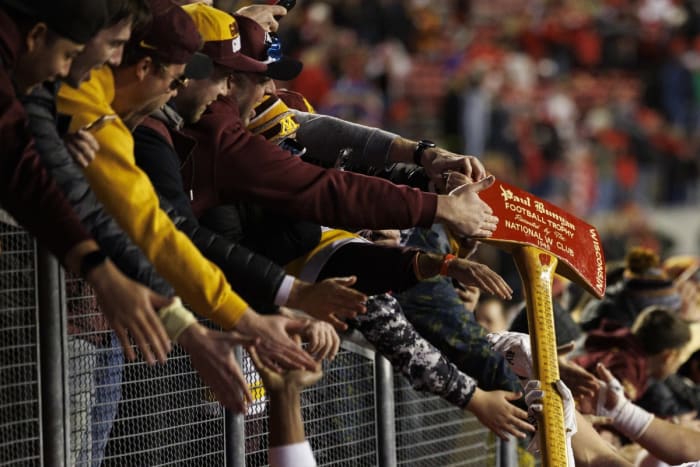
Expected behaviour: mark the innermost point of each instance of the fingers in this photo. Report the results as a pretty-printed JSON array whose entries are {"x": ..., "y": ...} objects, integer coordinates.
[
  {"x": 255, "y": 358},
  {"x": 228, "y": 385},
  {"x": 518, "y": 426},
  {"x": 454, "y": 180},
  {"x": 236, "y": 338},
  {"x": 277, "y": 10},
  {"x": 89, "y": 139},
  {"x": 604, "y": 373},
  {"x": 490, "y": 222},
  {"x": 155, "y": 326},
  {"x": 566, "y": 348},
  {"x": 143, "y": 344},
  {"x": 478, "y": 171},
  {"x": 316, "y": 341},
  {"x": 491, "y": 282},
  {"x": 513, "y": 396},
  {"x": 267, "y": 363},
  {"x": 78, "y": 154},
  {"x": 482, "y": 184},
  {"x": 82, "y": 146},
  {"x": 159, "y": 340},
  {"x": 290, "y": 356},
  {"x": 337, "y": 324},
  {"x": 120, "y": 331},
  {"x": 335, "y": 348}
]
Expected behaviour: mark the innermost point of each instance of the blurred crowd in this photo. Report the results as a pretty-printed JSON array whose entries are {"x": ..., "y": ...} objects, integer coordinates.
[{"x": 591, "y": 104}]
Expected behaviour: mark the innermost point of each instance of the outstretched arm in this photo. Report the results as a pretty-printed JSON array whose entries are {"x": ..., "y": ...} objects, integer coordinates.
[
  {"x": 288, "y": 445},
  {"x": 671, "y": 443}
]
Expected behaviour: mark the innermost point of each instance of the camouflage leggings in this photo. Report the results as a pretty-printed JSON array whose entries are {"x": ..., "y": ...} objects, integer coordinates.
[{"x": 385, "y": 326}]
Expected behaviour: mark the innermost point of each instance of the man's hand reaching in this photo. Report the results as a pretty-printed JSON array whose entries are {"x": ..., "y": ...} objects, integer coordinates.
[
  {"x": 211, "y": 354},
  {"x": 465, "y": 213},
  {"x": 331, "y": 300},
  {"x": 277, "y": 347},
  {"x": 438, "y": 162},
  {"x": 130, "y": 309}
]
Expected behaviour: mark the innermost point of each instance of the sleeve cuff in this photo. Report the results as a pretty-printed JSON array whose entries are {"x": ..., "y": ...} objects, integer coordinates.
[
  {"x": 292, "y": 455},
  {"x": 285, "y": 289}
]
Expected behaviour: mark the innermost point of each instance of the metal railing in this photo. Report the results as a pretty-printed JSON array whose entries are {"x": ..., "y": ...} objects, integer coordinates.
[{"x": 67, "y": 397}]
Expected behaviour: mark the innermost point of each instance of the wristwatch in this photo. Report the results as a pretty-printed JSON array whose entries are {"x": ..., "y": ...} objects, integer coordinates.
[
  {"x": 421, "y": 146},
  {"x": 91, "y": 260}
]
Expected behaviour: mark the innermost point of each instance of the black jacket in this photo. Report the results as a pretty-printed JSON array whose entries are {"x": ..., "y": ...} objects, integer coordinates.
[
  {"x": 40, "y": 105},
  {"x": 254, "y": 277}
]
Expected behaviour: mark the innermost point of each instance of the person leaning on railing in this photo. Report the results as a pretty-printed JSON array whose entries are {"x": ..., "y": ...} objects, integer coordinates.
[
  {"x": 153, "y": 70},
  {"x": 210, "y": 349},
  {"x": 39, "y": 40}
]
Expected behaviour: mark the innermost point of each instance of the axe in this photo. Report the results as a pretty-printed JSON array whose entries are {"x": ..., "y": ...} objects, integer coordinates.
[{"x": 545, "y": 239}]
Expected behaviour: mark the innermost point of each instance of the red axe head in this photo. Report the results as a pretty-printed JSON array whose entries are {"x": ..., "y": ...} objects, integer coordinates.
[{"x": 528, "y": 220}]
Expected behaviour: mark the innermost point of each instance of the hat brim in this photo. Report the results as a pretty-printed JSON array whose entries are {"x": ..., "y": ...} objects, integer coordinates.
[
  {"x": 284, "y": 69},
  {"x": 200, "y": 66}
]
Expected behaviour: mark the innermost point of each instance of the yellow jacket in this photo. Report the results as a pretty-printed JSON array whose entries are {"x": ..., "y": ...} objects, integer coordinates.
[{"x": 128, "y": 195}]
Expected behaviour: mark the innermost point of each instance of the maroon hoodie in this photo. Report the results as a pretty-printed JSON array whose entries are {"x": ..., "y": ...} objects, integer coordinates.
[
  {"x": 230, "y": 164},
  {"x": 616, "y": 347},
  {"x": 26, "y": 189}
]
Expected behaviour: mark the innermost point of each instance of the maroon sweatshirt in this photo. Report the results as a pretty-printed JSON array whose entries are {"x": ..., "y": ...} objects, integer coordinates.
[
  {"x": 26, "y": 189},
  {"x": 616, "y": 347},
  {"x": 231, "y": 164}
]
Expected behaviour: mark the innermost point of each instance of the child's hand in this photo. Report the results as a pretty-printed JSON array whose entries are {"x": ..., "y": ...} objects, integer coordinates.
[{"x": 494, "y": 410}]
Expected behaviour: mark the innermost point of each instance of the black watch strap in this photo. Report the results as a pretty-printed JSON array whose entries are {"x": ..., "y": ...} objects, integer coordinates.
[
  {"x": 91, "y": 260},
  {"x": 421, "y": 146}
]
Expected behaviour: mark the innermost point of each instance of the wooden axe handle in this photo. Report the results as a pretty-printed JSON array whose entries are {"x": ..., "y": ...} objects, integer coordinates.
[{"x": 536, "y": 268}]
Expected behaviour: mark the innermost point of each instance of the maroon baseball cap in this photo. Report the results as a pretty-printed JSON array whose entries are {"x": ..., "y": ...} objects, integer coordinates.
[
  {"x": 172, "y": 37},
  {"x": 238, "y": 43}
]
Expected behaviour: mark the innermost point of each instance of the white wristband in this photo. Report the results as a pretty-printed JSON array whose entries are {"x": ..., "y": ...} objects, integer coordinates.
[
  {"x": 176, "y": 318},
  {"x": 632, "y": 420},
  {"x": 292, "y": 455}
]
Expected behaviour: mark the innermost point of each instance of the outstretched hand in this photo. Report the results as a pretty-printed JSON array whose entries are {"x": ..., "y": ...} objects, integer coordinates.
[
  {"x": 465, "y": 213},
  {"x": 130, "y": 309},
  {"x": 331, "y": 300},
  {"x": 479, "y": 275},
  {"x": 495, "y": 411},
  {"x": 581, "y": 382},
  {"x": 276, "y": 380},
  {"x": 277, "y": 347},
  {"x": 211, "y": 355},
  {"x": 438, "y": 161},
  {"x": 324, "y": 342}
]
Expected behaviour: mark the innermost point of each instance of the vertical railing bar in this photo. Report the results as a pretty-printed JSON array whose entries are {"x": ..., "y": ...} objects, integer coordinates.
[
  {"x": 385, "y": 412},
  {"x": 234, "y": 430},
  {"x": 53, "y": 368}
]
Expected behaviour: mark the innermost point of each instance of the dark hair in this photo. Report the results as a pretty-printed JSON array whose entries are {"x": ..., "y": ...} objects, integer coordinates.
[
  {"x": 137, "y": 10},
  {"x": 658, "y": 329},
  {"x": 133, "y": 54},
  {"x": 686, "y": 368},
  {"x": 25, "y": 22}
]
